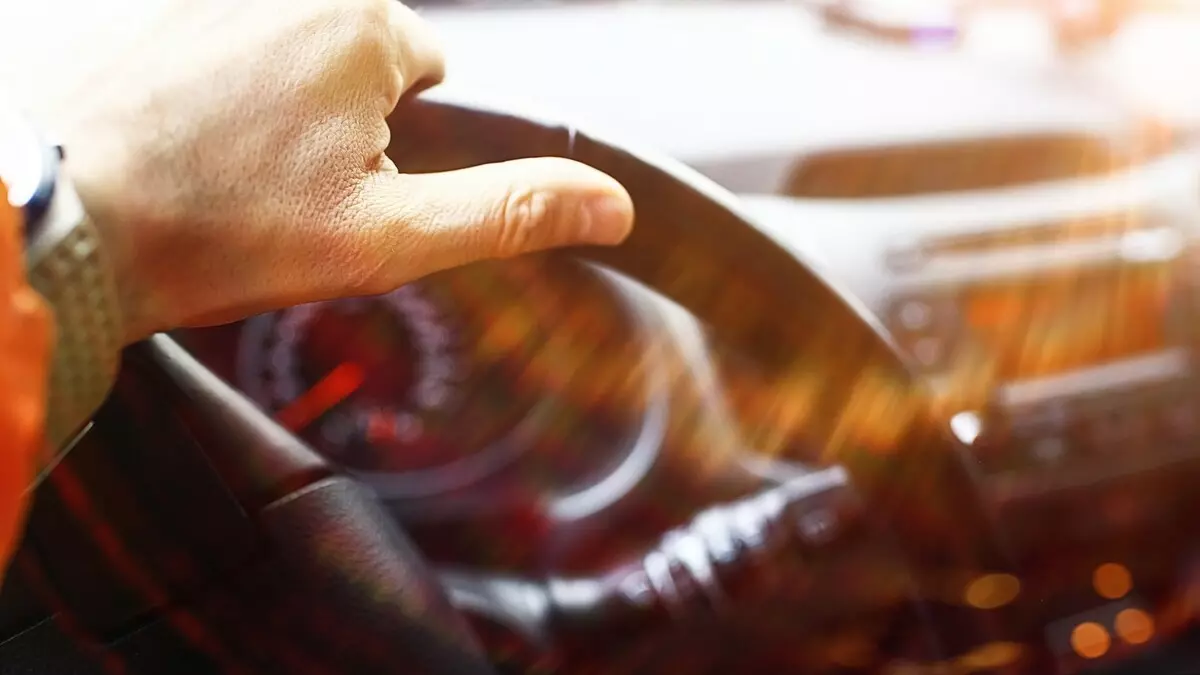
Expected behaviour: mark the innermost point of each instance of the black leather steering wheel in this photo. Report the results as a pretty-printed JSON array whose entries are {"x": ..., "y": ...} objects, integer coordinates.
[{"x": 356, "y": 595}]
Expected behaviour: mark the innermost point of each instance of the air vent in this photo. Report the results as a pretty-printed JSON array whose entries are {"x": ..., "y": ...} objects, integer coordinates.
[
  {"x": 1107, "y": 226},
  {"x": 978, "y": 164}
]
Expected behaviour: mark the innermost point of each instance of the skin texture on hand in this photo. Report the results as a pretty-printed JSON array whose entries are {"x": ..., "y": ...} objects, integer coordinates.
[
  {"x": 24, "y": 367},
  {"x": 232, "y": 154}
]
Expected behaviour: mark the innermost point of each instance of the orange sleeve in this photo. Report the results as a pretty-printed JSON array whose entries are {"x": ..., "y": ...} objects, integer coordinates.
[{"x": 25, "y": 332}]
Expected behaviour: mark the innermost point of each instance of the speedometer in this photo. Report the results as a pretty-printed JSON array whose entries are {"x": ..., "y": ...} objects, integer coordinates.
[
  {"x": 442, "y": 382},
  {"x": 354, "y": 376}
]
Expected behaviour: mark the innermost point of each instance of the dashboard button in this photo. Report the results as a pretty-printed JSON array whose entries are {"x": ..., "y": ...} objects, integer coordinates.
[
  {"x": 915, "y": 315},
  {"x": 925, "y": 327},
  {"x": 921, "y": 314},
  {"x": 929, "y": 351},
  {"x": 1048, "y": 450}
]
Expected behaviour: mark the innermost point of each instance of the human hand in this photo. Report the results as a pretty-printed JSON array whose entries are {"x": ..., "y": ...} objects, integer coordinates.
[{"x": 232, "y": 156}]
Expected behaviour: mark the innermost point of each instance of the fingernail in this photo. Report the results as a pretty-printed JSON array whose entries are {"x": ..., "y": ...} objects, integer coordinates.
[{"x": 606, "y": 219}]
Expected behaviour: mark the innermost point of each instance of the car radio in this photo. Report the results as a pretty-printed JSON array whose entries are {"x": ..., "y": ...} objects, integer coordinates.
[
  {"x": 1062, "y": 353},
  {"x": 1016, "y": 310}
]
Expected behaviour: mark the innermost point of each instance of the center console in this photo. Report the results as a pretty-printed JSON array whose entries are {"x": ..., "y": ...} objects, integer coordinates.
[
  {"x": 1063, "y": 352},
  {"x": 1058, "y": 328}
]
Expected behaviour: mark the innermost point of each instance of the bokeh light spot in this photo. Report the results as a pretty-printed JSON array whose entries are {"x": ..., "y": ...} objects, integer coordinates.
[
  {"x": 1112, "y": 581},
  {"x": 1134, "y": 626},
  {"x": 1090, "y": 640}
]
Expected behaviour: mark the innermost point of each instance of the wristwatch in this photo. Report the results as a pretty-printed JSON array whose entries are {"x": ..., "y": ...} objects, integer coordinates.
[{"x": 67, "y": 264}]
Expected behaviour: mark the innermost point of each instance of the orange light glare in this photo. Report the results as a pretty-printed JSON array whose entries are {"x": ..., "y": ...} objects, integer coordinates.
[
  {"x": 1112, "y": 581},
  {"x": 1134, "y": 626},
  {"x": 1090, "y": 640},
  {"x": 991, "y": 656},
  {"x": 852, "y": 652},
  {"x": 991, "y": 591}
]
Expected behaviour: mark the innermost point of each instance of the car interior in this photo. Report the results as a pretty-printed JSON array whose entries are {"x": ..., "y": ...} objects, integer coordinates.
[{"x": 919, "y": 405}]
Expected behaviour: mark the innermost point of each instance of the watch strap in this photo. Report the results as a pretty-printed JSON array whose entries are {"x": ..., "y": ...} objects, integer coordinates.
[{"x": 69, "y": 267}]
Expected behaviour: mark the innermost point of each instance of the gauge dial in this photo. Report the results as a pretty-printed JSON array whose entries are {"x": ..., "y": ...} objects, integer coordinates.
[
  {"x": 356, "y": 374},
  {"x": 439, "y": 383}
]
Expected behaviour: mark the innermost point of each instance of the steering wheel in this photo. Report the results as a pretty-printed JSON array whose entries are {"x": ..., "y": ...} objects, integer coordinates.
[{"x": 356, "y": 595}]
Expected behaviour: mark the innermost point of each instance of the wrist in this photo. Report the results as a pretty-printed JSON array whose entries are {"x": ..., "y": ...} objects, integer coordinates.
[{"x": 68, "y": 265}]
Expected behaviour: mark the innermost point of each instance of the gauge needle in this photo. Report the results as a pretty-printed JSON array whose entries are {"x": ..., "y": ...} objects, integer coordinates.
[{"x": 326, "y": 393}]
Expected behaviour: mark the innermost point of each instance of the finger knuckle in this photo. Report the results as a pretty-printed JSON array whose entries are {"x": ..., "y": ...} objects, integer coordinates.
[
  {"x": 367, "y": 23},
  {"x": 523, "y": 219},
  {"x": 369, "y": 10}
]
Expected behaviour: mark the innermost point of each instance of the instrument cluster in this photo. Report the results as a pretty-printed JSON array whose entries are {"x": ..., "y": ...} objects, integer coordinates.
[
  {"x": 442, "y": 383},
  {"x": 533, "y": 413}
]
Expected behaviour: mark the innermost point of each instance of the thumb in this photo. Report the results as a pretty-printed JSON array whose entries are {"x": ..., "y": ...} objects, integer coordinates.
[{"x": 410, "y": 225}]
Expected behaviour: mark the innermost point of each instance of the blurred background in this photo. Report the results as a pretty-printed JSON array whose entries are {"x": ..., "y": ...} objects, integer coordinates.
[
  {"x": 746, "y": 90},
  {"x": 1009, "y": 188}
]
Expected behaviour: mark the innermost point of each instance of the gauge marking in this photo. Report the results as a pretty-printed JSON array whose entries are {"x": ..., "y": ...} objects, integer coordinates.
[
  {"x": 438, "y": 369},
  {"x": 329, "y": 391}
]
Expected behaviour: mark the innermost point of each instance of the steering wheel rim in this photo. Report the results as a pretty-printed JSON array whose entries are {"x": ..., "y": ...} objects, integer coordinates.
[
  {"x": 441, "y": 133},
  {"x": 270, "y": 471}
]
